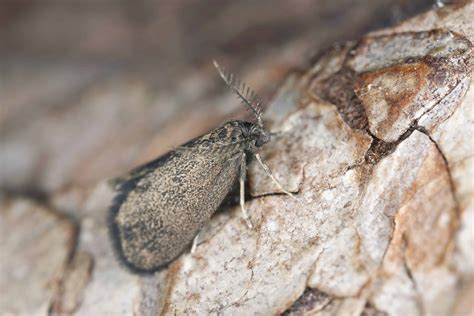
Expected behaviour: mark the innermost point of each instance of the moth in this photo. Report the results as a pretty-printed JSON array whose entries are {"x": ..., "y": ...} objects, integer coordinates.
[{"x": 160, "y": 207}]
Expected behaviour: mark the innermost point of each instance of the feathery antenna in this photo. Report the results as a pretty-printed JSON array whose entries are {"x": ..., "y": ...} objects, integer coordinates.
[{"x": 247, "y": 96}]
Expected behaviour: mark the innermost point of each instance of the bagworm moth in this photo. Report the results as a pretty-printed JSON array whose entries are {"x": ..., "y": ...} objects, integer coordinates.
[{"x": 160, "y": 207}]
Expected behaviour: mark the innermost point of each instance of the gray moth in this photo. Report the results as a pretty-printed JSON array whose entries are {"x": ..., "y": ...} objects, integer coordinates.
[{"x": 160, "y": 207}]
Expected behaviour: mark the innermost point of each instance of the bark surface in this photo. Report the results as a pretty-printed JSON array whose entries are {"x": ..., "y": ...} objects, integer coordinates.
[{"x": 375, "y": 141}]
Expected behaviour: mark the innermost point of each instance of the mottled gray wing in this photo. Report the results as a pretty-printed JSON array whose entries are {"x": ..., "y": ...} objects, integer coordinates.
[{"x": 163, "y": 204}]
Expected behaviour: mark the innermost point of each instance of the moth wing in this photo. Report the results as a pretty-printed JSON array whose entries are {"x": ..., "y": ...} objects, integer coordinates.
[{"x": 161, "y": 205}]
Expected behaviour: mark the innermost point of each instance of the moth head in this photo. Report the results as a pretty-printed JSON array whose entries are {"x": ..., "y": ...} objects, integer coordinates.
[{"x": 258, "y": 136}]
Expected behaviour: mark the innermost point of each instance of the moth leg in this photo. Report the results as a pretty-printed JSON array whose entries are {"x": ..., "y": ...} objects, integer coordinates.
[
  {"x": 270, "y": 174},
  {"x": 195, "y": 243},
  {"x": 243, "y": 170}
]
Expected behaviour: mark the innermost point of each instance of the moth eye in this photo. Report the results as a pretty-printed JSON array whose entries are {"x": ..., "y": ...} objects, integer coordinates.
[{"x": 234, "y": 139}]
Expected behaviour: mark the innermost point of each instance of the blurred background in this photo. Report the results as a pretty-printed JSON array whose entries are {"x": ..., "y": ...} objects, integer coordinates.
[{"x": 91, "y": 88}]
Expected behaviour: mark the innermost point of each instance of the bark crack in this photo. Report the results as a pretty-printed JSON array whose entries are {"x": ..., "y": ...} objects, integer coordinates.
[
  {"x": 423, "y": 130},
  {"x": 407, "y": 269},
  {"x": 311, "y": 300}
]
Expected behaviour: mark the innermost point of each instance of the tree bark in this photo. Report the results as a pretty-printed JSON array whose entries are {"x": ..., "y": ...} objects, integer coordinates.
[{"x": 374, "y": 138}]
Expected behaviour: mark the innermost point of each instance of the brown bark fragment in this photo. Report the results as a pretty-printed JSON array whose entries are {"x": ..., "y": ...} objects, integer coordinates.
[{"x": 339, "y": 89}]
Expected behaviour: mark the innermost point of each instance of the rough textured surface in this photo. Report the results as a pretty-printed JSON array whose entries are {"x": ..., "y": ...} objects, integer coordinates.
[
  {"x": 375, "y": 230},
  {"x": 310, "y": 302},
  {"x": 70, "y": 291},
  {"x": 35, "y": 249},
  {"x": 374, "y": 140}
]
